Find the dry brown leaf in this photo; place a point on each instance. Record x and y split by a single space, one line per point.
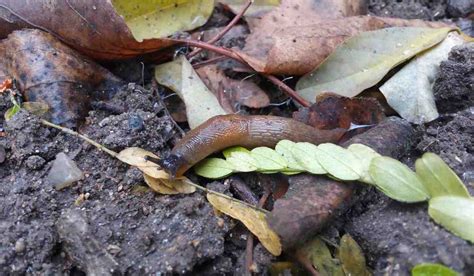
254 220
334 111
232 92
136 157
46 70
91 27
297 36
169 187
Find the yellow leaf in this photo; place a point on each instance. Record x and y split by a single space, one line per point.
169 187
254 220
148 19
136 157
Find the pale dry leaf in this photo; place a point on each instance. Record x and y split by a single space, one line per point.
180 77
253 219
169 187
136 157
409 91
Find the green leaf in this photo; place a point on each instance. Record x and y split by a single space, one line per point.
455 214
432 270
339 162
11 112
180 77
268 159
351 257
228 151
438 177
365 59
409 91
285 148
148 19
305 155
213 168
396 180
242 161
320 256
365 155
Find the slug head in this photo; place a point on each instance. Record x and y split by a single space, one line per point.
175 165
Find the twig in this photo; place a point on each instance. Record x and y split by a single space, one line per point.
225 30
115 154
154 85
85 138
249 247
232 54
209 61
290 92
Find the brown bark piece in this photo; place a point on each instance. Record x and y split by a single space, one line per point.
312 201
91 27
48 71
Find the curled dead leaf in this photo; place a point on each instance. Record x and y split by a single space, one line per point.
169 187
253 219
136 157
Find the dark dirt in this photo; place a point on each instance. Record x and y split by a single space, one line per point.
111 221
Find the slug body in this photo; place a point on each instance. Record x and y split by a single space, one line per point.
225 131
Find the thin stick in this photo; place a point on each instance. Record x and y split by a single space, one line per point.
85 138
290 92
250 237
210 47
225 30
209 61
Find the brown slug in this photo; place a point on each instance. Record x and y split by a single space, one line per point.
225 131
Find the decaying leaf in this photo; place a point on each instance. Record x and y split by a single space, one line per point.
158 19
36 108
213 168
180 77
253 219
396 180
455 214
136 157
339 162
410 91
334 111
298 35
97 30
438 178
377 52
351 257
428 269
231 92
48 71
320 256
169 187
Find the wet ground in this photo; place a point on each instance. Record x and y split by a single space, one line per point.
110 221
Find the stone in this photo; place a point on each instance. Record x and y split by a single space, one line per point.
35 162
64 172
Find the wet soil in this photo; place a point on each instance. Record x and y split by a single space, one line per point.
110 222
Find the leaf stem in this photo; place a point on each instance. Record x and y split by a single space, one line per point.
289 91
225 30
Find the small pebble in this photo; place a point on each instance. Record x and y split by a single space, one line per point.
35 162
20 245
135 122
64 172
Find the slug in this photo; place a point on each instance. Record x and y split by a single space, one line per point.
225 131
